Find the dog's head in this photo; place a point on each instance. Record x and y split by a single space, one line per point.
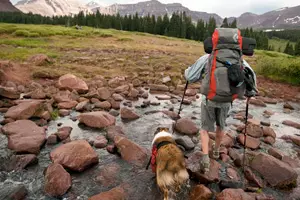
161 132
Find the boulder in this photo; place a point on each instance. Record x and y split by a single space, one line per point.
108 175
76 155
252 143
104 93
269 112
163 97
12 192
186 126
71 82
24 110
100 142
269 140
57 180
257 102
295 139
291 123
67 105
24 136
162 88
103 105
275 172
122 89
113 131
186 142
52 139
9 92
267 131
200 192
233 174
227 141
253 179
116 81
64 132
39 59
275 153
117 193
117 97
98 119
234 194
191 92
254 130
171 114
82 105
19 162
64 112
64 96
128 114
131 152
288 106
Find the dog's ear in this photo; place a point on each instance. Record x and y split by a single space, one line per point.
157 131
161 129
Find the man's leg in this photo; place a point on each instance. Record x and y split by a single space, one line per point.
204 141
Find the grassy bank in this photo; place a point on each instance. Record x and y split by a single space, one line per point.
90 52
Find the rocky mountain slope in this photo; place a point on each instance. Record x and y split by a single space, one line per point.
6 6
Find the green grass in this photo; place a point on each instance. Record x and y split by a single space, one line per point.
54 114
278 44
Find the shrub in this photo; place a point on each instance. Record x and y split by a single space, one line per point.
21 33
34 35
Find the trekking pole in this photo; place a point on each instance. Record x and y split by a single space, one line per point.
245 135
181 103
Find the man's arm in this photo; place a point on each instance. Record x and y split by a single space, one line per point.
195 71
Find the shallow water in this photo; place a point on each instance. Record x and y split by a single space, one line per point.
140 131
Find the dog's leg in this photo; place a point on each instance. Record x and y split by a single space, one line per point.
166 193
162 186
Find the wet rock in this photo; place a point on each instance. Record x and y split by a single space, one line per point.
225 158
64 132
200 192
24 136
116 81
191 92
100 142
113 131
288 106
52 139
287 111
39 59
18 192
264 197
64 96
224 184
64 112
275 153
251 142
233 174
122 89
155 103
171 114
67 105
136 83
265 123
269 112
186 126
111 149
187 101
257 102
82 105
234 194
9 93
186 142
7 121
24 110
76 155
236 157
223 150
274 171
254 131
71 82
294 163
162 88
104 93
19 162
133 93
114 112
94 100
98 119
269 140
267 131
193 167
227 141
166 79
291 123
117 193
295 139
108 175
145 95
117 97
268 100
57 180
254 122
131 152
253 179
67 140
3 110
103 105
114 104
128 114
163 97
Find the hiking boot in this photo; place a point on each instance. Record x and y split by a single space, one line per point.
205 164
216 152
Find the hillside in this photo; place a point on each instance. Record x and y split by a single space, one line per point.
6 6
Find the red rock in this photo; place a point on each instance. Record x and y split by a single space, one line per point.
136 83
131 152
19 162
24 110
295 139
128 114
104 93
163 97
186 126
251 142
254 122
114 104
171 114
76 155
24 136
257 102
94 100
252 178
117 81
133 93
98 119
113 131
64 96
269 140
254 131
122 89
52 139
64 112
100 142
200 192
71 82
233 175
267 131
227 141
67 105
11 192
82 105
191 92
275 153
103 105
118 193
291 123
225 158
294 163
111 149
268 112
7 121
39 59
288 106
117 97
64 132
162 88
268 100
234 194
9 92
108 175
274 171
57 180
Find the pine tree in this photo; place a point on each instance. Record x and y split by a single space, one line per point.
166 24
289 49
200 30
225 23
159 29
297 48
212 24
233 24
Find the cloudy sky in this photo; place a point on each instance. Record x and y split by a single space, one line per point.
224 8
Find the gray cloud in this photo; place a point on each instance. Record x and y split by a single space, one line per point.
224 8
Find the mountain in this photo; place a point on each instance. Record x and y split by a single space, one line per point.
51 7
154 7
6 6
277 19
93 4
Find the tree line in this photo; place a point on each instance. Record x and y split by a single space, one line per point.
178 25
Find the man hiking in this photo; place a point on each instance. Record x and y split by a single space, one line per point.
225 76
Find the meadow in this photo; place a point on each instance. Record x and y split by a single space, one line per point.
90 52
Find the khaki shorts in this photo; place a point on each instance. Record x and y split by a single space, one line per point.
211 115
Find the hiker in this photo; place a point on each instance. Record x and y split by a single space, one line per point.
225 76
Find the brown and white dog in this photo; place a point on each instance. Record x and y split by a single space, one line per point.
167 161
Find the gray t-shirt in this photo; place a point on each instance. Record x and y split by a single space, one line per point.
215 104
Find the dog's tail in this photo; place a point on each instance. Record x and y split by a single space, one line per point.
181 176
